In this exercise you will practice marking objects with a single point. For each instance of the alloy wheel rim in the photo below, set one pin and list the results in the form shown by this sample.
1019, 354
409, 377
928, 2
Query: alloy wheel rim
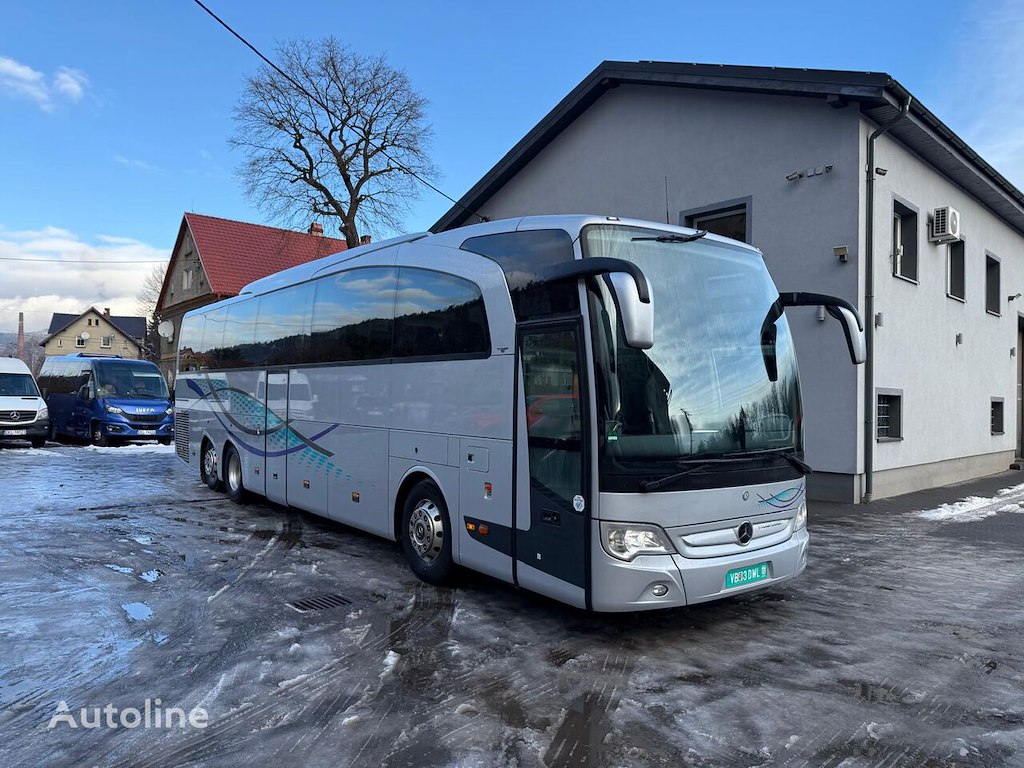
426, 530
209, 462
234, 472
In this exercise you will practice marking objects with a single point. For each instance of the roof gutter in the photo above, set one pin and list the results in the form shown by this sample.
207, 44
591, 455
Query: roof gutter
869, 307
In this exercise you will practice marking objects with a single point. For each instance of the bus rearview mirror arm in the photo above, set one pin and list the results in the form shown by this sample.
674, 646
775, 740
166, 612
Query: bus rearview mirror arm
842, 310
630, 290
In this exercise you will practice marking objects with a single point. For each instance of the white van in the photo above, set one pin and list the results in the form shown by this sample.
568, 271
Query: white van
23, 413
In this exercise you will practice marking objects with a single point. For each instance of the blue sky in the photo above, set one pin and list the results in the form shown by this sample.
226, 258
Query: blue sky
114, 116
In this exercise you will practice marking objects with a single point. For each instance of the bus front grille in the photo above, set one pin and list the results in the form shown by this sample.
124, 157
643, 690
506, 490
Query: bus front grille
181, 434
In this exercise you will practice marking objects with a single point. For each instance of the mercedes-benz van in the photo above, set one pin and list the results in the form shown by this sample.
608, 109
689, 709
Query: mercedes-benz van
23, 413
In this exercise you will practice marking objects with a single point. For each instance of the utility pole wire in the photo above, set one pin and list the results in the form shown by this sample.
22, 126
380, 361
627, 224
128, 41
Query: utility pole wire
320, 103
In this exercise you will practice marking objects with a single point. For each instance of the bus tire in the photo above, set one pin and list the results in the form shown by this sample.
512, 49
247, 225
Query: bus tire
208, 467
233, 482
426, 534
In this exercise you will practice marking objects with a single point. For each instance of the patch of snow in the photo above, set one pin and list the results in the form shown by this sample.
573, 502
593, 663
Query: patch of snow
295, 648
293, 682
967, 510
119, 568
34, 452
466, 709
137, 611
143, 540
792, 741
389, 664
217, 594
350, 719
288, 633
150, 576
132, 448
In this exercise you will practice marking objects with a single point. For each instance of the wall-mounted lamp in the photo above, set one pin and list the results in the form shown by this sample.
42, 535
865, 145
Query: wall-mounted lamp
959, 339
794, 175
1011, 298
881, 171
821, 313
879, 319
842, 253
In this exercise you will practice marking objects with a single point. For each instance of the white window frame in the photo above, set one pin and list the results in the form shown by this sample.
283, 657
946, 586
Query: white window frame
80, 343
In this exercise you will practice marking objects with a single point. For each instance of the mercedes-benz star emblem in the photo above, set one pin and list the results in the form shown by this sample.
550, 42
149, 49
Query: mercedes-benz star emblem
14, 416
745, 532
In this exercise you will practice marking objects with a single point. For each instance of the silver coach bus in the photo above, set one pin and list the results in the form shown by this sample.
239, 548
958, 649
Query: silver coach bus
601, 410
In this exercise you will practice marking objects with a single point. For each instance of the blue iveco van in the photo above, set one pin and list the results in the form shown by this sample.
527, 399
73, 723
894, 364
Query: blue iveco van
106, 399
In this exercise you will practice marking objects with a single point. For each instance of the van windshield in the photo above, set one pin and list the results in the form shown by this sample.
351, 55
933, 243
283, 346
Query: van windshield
127, 380
17, 385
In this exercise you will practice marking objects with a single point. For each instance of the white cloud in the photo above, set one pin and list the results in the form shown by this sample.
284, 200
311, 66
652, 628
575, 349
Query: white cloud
59, 284
22, 81
140, 165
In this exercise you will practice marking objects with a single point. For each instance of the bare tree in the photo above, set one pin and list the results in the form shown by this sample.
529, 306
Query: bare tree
344, 145
147, 298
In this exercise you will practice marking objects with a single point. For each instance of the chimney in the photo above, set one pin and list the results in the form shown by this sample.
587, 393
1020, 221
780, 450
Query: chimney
316, 228
365, 240
21, 335
106, 311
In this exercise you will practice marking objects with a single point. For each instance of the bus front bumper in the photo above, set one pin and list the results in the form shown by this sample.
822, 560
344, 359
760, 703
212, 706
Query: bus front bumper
634, 586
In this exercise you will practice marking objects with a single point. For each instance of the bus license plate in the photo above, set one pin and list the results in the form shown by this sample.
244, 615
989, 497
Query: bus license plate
146, 431
743, 576
14, 432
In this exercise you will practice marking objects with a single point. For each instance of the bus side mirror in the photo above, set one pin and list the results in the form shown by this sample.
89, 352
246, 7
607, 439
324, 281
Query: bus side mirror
636, 315
630, 289
841, 310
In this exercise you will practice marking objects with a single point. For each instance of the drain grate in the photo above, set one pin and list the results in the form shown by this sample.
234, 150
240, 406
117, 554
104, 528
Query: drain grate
319, 603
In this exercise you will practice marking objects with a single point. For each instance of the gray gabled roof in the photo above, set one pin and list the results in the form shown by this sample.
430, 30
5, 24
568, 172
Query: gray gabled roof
132, 327
878, 94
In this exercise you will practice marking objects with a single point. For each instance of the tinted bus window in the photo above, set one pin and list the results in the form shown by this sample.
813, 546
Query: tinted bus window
352, 315
237, 347
282, 327
207, 351
190, 339
523, 256
438, 314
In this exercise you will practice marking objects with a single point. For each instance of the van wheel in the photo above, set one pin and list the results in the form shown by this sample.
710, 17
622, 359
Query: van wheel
426, 534
208, 467
38, 442
233, 475
98, 438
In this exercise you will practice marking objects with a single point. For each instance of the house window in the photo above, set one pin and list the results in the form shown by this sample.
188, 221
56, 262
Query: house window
106, 341
904, 241
956, 281
186, 279
889, 416
991, 284
729, 219
997, 415
80, 343
60, 342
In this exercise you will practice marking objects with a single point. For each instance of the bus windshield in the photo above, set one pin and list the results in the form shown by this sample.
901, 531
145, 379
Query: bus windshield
706, 390
130, 380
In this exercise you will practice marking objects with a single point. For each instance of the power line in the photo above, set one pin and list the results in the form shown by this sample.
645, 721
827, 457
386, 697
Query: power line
83, 261
327, 108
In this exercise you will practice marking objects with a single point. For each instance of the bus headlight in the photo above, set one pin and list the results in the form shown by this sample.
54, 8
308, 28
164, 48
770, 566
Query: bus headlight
625, 541
800, 521
114, 409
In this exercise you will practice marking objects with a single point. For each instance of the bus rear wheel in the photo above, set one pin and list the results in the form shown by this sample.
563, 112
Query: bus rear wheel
233, 475
208, 467
426, 534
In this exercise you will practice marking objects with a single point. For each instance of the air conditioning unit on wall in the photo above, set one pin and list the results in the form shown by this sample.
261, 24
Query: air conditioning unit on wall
945, 225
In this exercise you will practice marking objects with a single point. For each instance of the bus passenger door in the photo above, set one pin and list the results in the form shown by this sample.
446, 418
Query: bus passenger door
272, 391
551, 546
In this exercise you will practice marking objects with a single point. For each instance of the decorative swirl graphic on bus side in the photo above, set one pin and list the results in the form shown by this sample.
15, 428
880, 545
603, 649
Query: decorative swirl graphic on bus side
784, 499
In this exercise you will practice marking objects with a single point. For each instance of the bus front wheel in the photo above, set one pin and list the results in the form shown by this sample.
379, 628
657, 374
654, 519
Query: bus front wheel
208, 467
233, 475
426, 534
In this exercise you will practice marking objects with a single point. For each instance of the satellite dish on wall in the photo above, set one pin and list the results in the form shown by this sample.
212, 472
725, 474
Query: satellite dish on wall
166, 329
84, 336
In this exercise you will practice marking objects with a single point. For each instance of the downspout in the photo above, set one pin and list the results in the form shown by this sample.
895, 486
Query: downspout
869, 308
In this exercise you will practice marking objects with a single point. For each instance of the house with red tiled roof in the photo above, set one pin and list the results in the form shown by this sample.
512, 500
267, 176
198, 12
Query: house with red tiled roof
215, 258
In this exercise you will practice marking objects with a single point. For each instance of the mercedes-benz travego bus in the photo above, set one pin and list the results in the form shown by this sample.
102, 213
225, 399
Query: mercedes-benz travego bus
601, 410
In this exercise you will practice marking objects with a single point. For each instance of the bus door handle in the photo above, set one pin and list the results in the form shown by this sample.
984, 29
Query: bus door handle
551, 516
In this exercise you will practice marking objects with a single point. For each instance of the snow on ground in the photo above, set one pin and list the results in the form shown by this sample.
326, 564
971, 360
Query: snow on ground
975, 508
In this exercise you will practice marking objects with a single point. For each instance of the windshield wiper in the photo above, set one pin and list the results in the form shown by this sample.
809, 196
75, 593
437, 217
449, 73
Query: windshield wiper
785, 453
696, 464
675, 238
